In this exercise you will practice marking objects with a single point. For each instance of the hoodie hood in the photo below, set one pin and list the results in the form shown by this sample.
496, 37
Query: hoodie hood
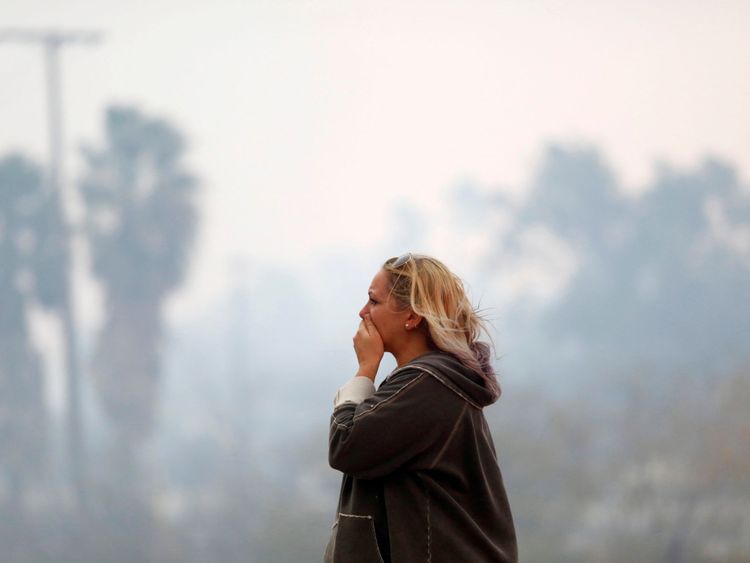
459, 377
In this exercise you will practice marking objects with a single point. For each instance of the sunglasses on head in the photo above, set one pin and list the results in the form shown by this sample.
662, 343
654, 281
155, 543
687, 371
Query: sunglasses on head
401, 260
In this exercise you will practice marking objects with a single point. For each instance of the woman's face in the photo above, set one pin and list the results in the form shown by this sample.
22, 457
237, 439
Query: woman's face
388, 319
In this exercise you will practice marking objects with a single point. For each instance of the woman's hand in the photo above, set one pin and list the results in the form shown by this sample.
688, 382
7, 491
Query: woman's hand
369, 348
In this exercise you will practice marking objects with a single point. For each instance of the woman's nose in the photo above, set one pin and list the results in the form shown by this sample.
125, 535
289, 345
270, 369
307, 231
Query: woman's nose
362, 312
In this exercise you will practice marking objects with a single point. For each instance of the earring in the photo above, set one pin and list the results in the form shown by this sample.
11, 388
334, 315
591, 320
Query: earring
406, 326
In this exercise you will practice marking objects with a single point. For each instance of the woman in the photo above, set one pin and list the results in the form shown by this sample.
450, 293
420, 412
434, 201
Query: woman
421, 481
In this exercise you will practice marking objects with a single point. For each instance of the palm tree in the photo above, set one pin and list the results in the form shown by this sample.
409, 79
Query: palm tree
140, 223
31, 266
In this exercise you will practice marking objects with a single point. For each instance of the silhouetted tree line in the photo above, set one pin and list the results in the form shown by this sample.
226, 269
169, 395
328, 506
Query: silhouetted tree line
663, 283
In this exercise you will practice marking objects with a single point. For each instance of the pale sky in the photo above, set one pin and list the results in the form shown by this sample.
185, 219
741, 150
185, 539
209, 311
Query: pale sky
310, 120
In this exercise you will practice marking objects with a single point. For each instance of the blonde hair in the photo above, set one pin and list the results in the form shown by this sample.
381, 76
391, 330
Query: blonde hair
435, 293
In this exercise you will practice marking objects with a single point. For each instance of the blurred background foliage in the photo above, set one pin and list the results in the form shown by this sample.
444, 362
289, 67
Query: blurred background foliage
623, 431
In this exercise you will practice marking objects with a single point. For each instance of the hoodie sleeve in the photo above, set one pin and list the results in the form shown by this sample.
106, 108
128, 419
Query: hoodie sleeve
406, 422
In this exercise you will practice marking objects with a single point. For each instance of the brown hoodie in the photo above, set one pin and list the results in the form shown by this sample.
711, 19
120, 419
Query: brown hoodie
421, 481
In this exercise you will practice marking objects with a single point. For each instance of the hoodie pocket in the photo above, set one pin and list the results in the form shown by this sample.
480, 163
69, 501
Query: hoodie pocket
353, 541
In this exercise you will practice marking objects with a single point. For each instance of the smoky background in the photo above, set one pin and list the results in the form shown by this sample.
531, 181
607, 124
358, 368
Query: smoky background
194, 199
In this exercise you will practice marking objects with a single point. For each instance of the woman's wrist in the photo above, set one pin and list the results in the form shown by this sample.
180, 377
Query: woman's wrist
368, 370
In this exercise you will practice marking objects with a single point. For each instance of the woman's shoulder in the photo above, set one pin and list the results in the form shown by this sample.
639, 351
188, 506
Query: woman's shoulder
447, 370
416, 367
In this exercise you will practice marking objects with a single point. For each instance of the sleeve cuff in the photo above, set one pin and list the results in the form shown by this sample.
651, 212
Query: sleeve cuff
356, 390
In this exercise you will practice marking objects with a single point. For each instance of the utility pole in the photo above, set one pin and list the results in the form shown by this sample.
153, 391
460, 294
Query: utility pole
53, 41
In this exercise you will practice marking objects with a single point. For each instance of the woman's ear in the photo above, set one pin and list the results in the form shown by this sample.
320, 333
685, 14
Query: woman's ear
413, 320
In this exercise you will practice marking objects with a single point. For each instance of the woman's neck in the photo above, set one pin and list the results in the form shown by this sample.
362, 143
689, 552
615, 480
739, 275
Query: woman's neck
411, 349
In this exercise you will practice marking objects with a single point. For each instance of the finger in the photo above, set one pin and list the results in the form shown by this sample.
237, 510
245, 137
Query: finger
361, 335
